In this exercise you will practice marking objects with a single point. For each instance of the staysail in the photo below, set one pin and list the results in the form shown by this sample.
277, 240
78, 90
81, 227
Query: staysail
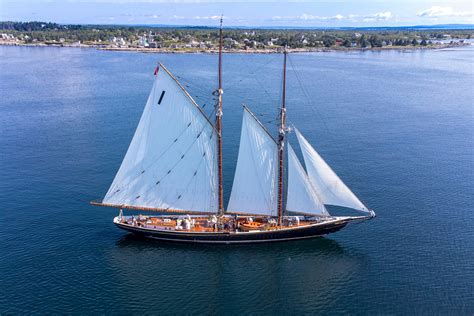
254, 190
328, 186
171, 162
301, 196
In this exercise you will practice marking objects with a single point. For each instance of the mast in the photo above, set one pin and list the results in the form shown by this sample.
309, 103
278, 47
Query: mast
219, 129
281, 143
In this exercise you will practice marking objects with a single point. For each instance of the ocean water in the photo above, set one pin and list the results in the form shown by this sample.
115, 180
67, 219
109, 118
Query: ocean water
398, 127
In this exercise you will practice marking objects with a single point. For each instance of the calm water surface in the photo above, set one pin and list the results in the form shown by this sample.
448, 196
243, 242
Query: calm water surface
397, 127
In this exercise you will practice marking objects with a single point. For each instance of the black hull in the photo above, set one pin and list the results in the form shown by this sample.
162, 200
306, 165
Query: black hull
291, 233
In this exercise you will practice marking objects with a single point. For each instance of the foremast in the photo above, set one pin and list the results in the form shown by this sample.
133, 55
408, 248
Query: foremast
281, 143
220, 91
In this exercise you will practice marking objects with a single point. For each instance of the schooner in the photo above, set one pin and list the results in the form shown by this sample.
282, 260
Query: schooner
174, 166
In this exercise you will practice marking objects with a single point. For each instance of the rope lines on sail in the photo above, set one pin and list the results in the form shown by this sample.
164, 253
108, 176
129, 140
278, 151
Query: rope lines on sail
181, 158
180, 195
202, 95
191, 180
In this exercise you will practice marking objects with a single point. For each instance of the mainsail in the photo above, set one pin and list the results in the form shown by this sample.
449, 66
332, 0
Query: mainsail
171, 162
255, 183
301, 196
327, 184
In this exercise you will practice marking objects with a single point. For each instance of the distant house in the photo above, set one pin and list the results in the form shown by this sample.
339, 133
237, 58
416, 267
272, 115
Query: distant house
230, 43
193, 43
143, 42
7, 37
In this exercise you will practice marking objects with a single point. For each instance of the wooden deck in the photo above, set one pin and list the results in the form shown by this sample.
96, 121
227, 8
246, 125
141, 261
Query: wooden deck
205, 224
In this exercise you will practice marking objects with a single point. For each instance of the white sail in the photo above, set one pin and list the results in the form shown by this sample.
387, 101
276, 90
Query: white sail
328, 186
171, 162
255, 183
301, 196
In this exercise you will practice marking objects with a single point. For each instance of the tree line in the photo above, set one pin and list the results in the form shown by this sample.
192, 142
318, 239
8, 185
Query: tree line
53, 32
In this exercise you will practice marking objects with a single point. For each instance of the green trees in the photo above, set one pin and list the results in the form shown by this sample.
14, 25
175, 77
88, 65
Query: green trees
328, 40
375, 41
363, 42
260, 38
347, 43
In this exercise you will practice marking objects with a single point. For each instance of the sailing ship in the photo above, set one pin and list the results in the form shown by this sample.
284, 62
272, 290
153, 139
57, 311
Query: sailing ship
174, 166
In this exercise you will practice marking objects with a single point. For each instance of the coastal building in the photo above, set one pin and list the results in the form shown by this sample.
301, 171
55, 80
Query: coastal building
8, 37
117, 41
143, 41
193, 43
230, 43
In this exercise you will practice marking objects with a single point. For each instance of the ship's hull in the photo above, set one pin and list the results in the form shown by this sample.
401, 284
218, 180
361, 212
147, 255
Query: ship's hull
285, 234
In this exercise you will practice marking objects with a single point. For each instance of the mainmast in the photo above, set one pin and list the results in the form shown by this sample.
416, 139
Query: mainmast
281, 143
219, 129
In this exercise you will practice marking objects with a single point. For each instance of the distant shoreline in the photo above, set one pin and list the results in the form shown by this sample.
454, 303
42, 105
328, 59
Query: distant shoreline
275, 50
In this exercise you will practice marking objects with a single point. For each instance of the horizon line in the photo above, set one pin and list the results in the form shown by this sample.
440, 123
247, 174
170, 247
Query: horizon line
277, 27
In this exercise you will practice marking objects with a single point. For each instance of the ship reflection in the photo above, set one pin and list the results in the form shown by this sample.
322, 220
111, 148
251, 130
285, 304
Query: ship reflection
320, 245
296, 273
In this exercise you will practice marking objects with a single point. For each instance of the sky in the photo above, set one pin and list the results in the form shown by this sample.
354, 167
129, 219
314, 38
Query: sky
296, 13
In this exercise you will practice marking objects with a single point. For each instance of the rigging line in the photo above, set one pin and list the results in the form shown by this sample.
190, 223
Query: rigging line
193, 178
156, 160
193, 86
307, 98
184, 154
197, 91
254, 77
187, 185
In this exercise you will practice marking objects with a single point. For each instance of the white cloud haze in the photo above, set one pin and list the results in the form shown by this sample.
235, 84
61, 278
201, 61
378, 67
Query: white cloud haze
242, 12
437, 12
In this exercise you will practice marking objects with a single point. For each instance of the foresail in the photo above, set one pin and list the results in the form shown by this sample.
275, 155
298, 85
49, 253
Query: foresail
255, 182
328, 186
171, 162
301, 196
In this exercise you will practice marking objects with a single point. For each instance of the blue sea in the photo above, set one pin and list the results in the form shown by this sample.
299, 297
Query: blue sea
397, 126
